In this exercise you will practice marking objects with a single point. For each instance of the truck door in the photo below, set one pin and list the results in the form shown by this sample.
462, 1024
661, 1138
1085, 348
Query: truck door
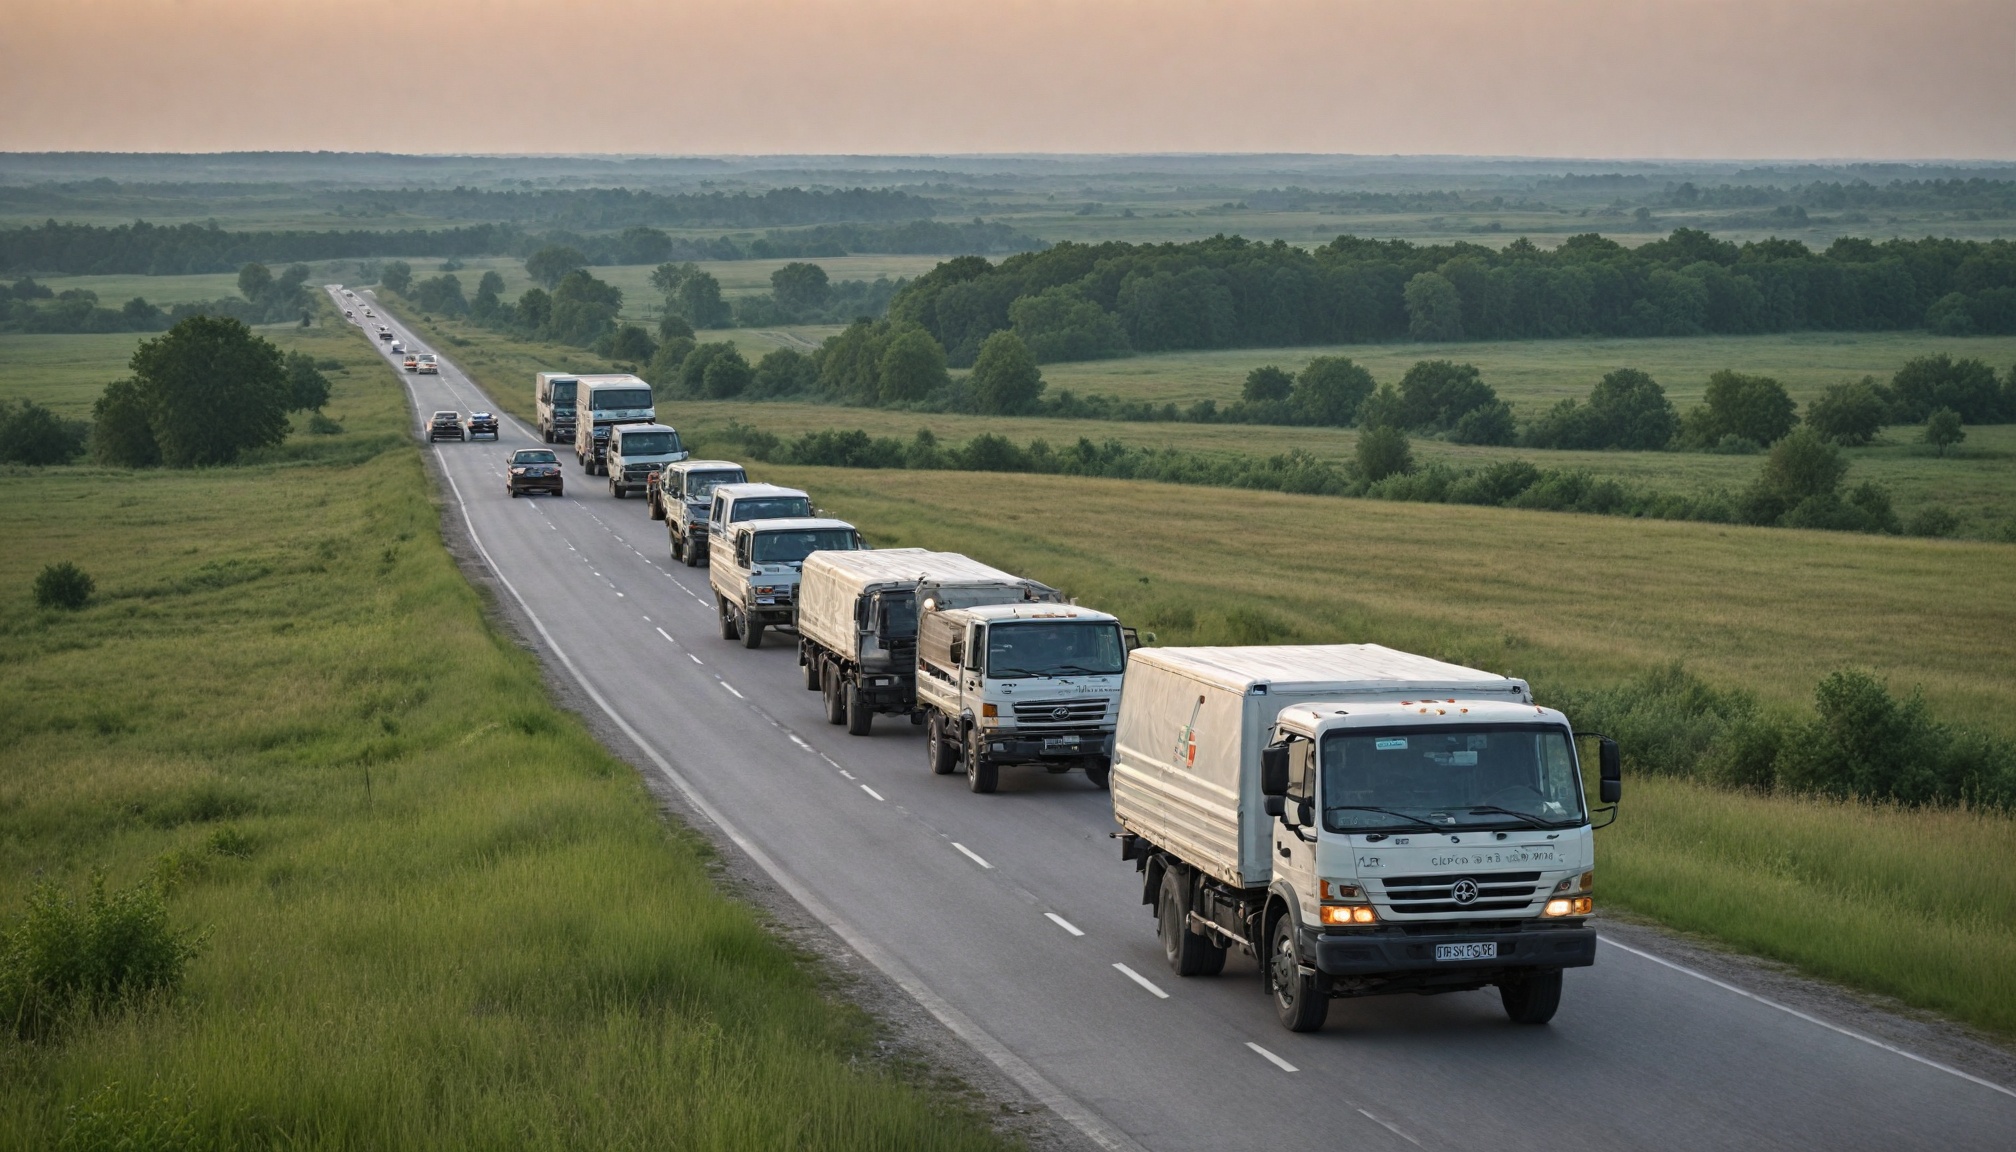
1295, 832
971, 677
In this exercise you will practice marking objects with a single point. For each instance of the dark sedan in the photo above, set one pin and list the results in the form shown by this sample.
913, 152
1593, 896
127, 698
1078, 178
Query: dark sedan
533, 470
445, 426
482, 424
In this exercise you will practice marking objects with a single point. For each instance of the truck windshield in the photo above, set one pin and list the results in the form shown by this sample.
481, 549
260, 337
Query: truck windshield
701, 485
792, 546
898, 615
1054, 648
563, 392
770, 508
650, 443
611, 399
1472, 776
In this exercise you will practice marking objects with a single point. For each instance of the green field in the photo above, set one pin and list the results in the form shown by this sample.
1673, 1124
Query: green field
439, 914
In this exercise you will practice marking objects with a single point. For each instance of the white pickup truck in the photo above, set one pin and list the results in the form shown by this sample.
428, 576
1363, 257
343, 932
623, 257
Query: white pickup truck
1362, 821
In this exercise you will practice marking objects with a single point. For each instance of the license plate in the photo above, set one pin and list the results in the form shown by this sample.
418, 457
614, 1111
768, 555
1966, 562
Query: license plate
1052, 743
1486, 951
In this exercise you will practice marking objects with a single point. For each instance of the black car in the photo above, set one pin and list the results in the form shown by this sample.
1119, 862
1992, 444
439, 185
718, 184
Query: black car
533, 470
445, 426
482, 424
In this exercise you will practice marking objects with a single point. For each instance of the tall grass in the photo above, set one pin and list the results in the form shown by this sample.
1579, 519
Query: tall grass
439, 914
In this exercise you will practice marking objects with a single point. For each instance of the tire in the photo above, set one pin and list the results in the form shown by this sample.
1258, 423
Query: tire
559, 492
940, 753
1533, 998
751, 631
1100, 773
678, 547
512, 491
692, 555
829, 694
1301, 1002
1188, 953
728, 629
811, 672
982, 775
859, 718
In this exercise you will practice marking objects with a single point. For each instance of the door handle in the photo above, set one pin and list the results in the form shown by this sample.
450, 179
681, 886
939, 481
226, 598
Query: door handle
1285, 854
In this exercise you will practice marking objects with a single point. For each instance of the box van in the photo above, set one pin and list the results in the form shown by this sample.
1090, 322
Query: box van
610, 400
636, 451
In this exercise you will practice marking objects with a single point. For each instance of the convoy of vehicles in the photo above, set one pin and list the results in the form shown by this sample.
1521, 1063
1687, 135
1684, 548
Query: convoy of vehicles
755, 575
607, 401
553, 405
1362, 821
533, 470
681, 495
635, 452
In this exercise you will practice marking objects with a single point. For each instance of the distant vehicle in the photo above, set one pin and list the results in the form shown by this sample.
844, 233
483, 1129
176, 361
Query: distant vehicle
482, 424
398, 346
611, 400
636, 452
755, 577
349, 293
445, 424
384, 333
531, 470
553, 398
349, 314
427, 365
680, 495
412, 361
369, 312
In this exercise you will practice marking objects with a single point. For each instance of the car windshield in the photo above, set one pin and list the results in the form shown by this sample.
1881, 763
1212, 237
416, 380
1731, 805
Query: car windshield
443, 417
1479, 774
701, 485
1055, 648
770, 508
789, 547
535, 456
611, 399
650, 443
563, 391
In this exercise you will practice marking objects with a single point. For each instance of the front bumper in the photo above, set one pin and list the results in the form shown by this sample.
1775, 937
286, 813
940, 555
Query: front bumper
1393, 952
1014, 745
535, 483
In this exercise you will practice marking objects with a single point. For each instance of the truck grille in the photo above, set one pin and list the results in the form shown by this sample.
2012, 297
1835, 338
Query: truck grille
1496, 892
1062, 713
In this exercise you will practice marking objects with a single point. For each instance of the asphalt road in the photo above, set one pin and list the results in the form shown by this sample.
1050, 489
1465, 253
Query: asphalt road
1012, 918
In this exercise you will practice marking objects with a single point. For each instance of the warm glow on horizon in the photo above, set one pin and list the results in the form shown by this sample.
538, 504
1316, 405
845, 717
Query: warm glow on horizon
1642, 78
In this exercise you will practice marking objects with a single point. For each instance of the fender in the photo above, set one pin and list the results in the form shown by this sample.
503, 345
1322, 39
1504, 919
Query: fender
1281, 896
1151, 878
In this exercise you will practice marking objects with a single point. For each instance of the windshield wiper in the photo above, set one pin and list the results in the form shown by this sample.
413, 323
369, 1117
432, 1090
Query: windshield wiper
1078, 668
1531, 820
1385, 811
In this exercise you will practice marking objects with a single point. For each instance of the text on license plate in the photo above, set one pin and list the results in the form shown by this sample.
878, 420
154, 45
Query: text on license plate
1060, 741
1484, 951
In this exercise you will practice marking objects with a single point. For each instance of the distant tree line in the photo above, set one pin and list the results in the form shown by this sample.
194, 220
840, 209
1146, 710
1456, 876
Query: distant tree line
1077, 301
26, 306
154, 250
615, 208
1974, 194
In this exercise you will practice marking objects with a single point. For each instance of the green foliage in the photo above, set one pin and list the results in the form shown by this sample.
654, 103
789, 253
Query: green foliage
692, 295
1627, 409
551, 264
673, 326
61, 956
788, 372
1062, 324
122, 432
1943, 430
667, 361
63, 585
1849, 414
800, 287
1802, 467
1753, 408
1383, 451
32, 434
1005, 378
307, 387
210, 389
534, 310
583, 309
254, 281
441, 294
1435, 394
1434, 308
715, 370
1267, 383
912, 367
631, 343
1383, 408
397, 276
1488, 423
1933, 521
1966, 386
1330, 390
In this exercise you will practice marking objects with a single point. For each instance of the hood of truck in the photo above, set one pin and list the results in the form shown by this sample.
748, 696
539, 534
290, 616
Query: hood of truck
1050, 685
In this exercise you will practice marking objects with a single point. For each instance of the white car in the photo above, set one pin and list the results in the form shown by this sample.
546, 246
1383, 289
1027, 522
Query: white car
398, 346
427, 367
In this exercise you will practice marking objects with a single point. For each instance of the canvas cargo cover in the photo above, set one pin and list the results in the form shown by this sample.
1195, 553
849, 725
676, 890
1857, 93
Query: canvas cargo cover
830, 589
1186, 754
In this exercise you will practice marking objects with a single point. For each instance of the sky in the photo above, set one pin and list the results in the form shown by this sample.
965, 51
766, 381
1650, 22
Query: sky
1755, 79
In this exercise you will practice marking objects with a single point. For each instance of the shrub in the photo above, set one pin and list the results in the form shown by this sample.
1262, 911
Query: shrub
32, 434
1801, 466
1438, 393
1755, 408
1943, 430
633, 344
1627, 409
1382, 452
1005, 378
62, 955
1486, 424
1933, 521
307, 388
320, 425
1495, 484
1381, 409
121, 434
785, 372
912, 367
1329, 391
63, 585
1849, 414
1267, 383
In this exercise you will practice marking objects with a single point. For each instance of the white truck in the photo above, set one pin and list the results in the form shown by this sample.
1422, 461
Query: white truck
755, 576
1034, 682
553, 399
635, 452
734, 503
1361, 821
857, 623
601, 403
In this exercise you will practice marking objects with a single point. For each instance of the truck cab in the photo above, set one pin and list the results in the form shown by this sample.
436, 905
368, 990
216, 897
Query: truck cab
734, 503
553, 399
682, 495
608, 401
755, 577
635, 452
1027, 683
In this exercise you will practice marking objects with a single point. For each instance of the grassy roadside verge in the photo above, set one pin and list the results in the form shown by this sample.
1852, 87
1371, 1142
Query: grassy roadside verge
439, 914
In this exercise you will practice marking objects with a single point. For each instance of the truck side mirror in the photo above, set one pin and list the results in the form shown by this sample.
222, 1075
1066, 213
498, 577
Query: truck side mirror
1275, 805
1610, 773
1274, 772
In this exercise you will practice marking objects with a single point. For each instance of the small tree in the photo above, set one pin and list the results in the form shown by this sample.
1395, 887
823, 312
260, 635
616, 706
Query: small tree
673, 326
1802, 466
633, 344
1754, 408
1943, 430
1382, 452
1267, 383
398, 276
801, 287
912, 366
211, 390
63, 585
1628, 409
254, 281
121, 434
1381, 409
1437, 393
1434, 308
306, 385
551, 264
1329, 391
1005, 378
1849, 414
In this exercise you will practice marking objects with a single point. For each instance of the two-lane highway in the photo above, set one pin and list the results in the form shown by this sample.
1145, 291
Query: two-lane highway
1013, 920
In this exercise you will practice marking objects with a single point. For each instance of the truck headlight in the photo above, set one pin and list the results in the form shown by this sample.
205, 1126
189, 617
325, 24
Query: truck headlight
1349, 914
1570, 906
1582, 883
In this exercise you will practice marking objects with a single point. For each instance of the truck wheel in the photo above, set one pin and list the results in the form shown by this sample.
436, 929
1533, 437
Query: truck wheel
1532, 998
657, 509
512, 491
1100, 771
940, 753
728, 629
678, 547
859, 718
1301, 1002
982, 775
811, 672
752, 631
1188, 953
829, 694
692, 553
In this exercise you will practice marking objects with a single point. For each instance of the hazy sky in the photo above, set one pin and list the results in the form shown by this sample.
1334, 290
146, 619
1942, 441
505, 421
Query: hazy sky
1682, 78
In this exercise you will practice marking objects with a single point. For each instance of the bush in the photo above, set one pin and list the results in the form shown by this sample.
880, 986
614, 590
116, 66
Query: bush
1487, 424
1627, 409
1943, 430
1435, 394
121, 434
307, 388
633, 344
1849, 414
1382, 452
1802, 466
1967, 386
1329, 391
1754, 408
320, 425
1933, 521
1382, 409
1005, 378
63, 585
1267, 383
32, 434
63, 956
785, 372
